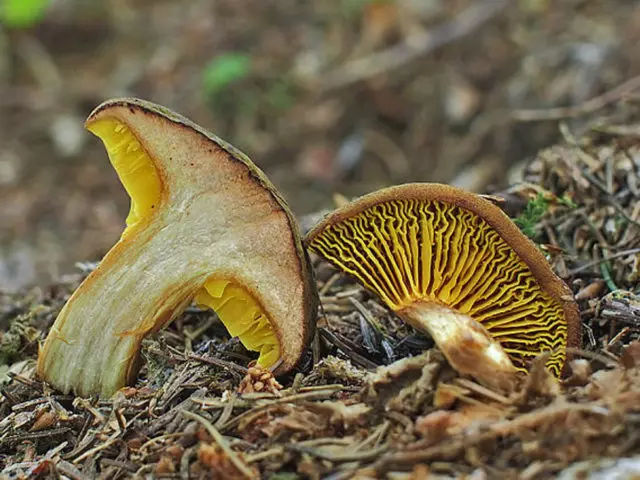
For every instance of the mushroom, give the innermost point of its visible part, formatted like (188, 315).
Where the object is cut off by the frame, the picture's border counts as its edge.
(452, 264)
(205, 224)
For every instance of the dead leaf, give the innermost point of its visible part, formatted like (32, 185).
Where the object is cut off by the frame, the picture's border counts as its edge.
(44, 421)
(447, 394)
(340, 413)
(631, 356)
(165, 466)
(433, 427)
(218, 464)
(580, 372)
(606, 384)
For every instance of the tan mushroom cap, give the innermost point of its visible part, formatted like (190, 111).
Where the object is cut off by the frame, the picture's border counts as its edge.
(452, 263)
(205, 224)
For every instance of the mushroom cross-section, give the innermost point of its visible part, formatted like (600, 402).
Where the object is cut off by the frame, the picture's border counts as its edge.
(452, 264)
(205, 224)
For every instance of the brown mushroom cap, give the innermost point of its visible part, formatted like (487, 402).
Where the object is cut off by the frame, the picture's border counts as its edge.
(446, 248)
(205, 224)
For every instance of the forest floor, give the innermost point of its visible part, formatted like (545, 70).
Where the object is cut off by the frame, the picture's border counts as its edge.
(534, 102)
(372, 397)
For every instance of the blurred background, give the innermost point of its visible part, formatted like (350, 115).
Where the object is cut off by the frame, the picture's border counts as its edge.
(338, 96)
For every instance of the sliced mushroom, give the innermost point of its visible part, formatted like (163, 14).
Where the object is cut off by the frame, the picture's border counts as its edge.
(452, 264)
(205, 224)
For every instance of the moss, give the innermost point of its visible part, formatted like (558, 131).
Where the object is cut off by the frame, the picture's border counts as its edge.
(18, 336)
(530, 217)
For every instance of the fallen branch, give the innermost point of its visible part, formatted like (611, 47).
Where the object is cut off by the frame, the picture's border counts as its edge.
(590, 106)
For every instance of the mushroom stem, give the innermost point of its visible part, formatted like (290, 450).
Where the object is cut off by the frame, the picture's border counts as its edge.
(465, 343)
(139, 288)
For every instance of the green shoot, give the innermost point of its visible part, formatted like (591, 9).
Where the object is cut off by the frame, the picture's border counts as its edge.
(567, 201)
(225, 70)
(530, 217)
(22, 13)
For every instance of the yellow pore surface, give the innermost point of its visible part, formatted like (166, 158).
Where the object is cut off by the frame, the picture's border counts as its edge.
(243, 318)
(134, 167)
(410, 250)
(238, 310)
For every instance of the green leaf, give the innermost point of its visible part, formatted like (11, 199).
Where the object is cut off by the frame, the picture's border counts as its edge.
(22, 13)
(225, 70)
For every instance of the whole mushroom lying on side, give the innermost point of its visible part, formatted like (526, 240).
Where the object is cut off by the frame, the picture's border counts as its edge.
(205, 224)
(452, 264)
